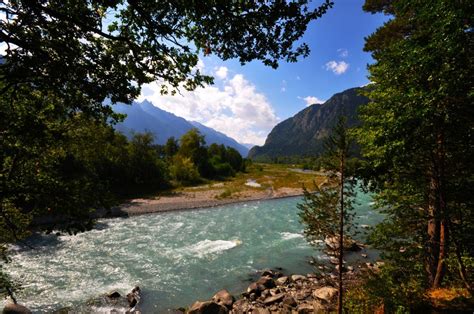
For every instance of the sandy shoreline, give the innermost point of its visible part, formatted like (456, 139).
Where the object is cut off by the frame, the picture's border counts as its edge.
(189, 199)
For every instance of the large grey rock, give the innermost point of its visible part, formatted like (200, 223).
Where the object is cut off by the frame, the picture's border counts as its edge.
(298, 277)
(224, 298)
(207, 307)
(325, 293)
(15, 309)
(349, 244)
(281, 281)
(274, 298)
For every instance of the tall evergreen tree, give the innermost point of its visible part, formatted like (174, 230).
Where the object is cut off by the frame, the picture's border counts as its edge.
(326, 213)
(418, 131)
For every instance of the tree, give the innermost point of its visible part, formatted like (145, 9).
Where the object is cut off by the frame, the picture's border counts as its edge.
(326, 212)
(87, 51)
(418, 132)
(171, 147)
(69, 57)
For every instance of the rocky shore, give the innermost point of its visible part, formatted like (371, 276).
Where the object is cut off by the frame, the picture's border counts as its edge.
(274, 292)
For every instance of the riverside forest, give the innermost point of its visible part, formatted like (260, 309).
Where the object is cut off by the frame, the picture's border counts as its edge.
(151, 160)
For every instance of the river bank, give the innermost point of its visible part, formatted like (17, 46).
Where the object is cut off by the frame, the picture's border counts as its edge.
(194, 199)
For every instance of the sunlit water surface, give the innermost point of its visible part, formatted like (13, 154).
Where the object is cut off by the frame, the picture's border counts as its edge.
(176, 257)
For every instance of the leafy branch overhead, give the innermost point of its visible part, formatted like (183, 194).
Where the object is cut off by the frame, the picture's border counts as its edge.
(108, 49)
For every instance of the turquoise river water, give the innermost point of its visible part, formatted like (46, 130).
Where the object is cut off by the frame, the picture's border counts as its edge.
(175, 257)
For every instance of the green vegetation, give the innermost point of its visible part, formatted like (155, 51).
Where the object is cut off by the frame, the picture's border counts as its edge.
(417, 139)
(66, 64)
(326, 212)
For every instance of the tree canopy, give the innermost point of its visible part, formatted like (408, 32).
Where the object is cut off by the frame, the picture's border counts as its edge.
(87, 51)
(417, 135)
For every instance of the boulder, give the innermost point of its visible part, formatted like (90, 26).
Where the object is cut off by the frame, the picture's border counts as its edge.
(274, 298)
(349, 244)
(305, 308)
(281, 281)
(266, 281)
(298, 277)
(114, 295)
(208, 307)
(12, 308)
(290, 301)
(133, 297)
(241, 306)
(224, 298)
(268, 272)
(325, 293)
(260, 310)
(255, 288)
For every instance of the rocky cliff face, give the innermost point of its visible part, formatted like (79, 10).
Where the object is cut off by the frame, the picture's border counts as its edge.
(304, 133)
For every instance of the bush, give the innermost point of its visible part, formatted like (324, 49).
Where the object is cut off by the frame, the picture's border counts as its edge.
(184, 171)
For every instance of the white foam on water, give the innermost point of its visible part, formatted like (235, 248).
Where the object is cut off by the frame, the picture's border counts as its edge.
(207, 247)
(290, 236)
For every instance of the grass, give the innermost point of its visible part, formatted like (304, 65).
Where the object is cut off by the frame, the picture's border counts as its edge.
(275, 176)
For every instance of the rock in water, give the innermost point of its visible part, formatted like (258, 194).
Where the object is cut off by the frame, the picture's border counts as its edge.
(208, 307)
(224, 298)
(12, 308)
(134, 297)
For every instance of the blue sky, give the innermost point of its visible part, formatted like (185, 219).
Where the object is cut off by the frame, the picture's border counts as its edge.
(247, 101)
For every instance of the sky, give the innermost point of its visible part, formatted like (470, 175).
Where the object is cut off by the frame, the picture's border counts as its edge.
(246, 102)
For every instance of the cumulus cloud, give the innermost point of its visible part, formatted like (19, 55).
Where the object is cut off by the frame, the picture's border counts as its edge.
(337, 67)
(221, 72)
(343, 53)
(311, 100)
(236, 109)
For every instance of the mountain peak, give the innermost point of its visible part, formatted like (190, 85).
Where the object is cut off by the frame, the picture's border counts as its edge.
(304, 133)
(144, 116)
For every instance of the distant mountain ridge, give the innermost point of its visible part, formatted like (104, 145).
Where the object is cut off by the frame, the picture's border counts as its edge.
(144, 116)
(304, 133)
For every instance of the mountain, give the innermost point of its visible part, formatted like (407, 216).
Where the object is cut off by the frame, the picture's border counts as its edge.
(144, 116)
(304, 133)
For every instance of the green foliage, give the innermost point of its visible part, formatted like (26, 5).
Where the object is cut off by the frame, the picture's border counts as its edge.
(184, 170)
(417, 138)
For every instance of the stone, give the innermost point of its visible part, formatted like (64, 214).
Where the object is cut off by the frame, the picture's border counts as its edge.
(12, 308)
(305, 308)
(298, 277)
(364, 255)
(268, 272)
(114, 295)
(325, 293)
(281, 281)
(260, 310)
(241, 306)
(311, 276)
(266, 281)
(349, 244)
(302, 294)
(223, 297)
(255, 288)
(133, 297)
(290, 301)
(207, 307)
(274, 299)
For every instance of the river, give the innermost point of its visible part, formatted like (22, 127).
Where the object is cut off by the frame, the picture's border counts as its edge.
(175, 257)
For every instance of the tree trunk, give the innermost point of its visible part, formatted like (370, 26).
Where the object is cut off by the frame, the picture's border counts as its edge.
(438, 231)
(341, 235)
(433, 231)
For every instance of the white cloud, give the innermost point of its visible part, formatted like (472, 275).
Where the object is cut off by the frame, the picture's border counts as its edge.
(337, 67)
(237, 109)
(311, 100)
(343, 52)
(298, 77)
(283, 86)
(221, 72)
